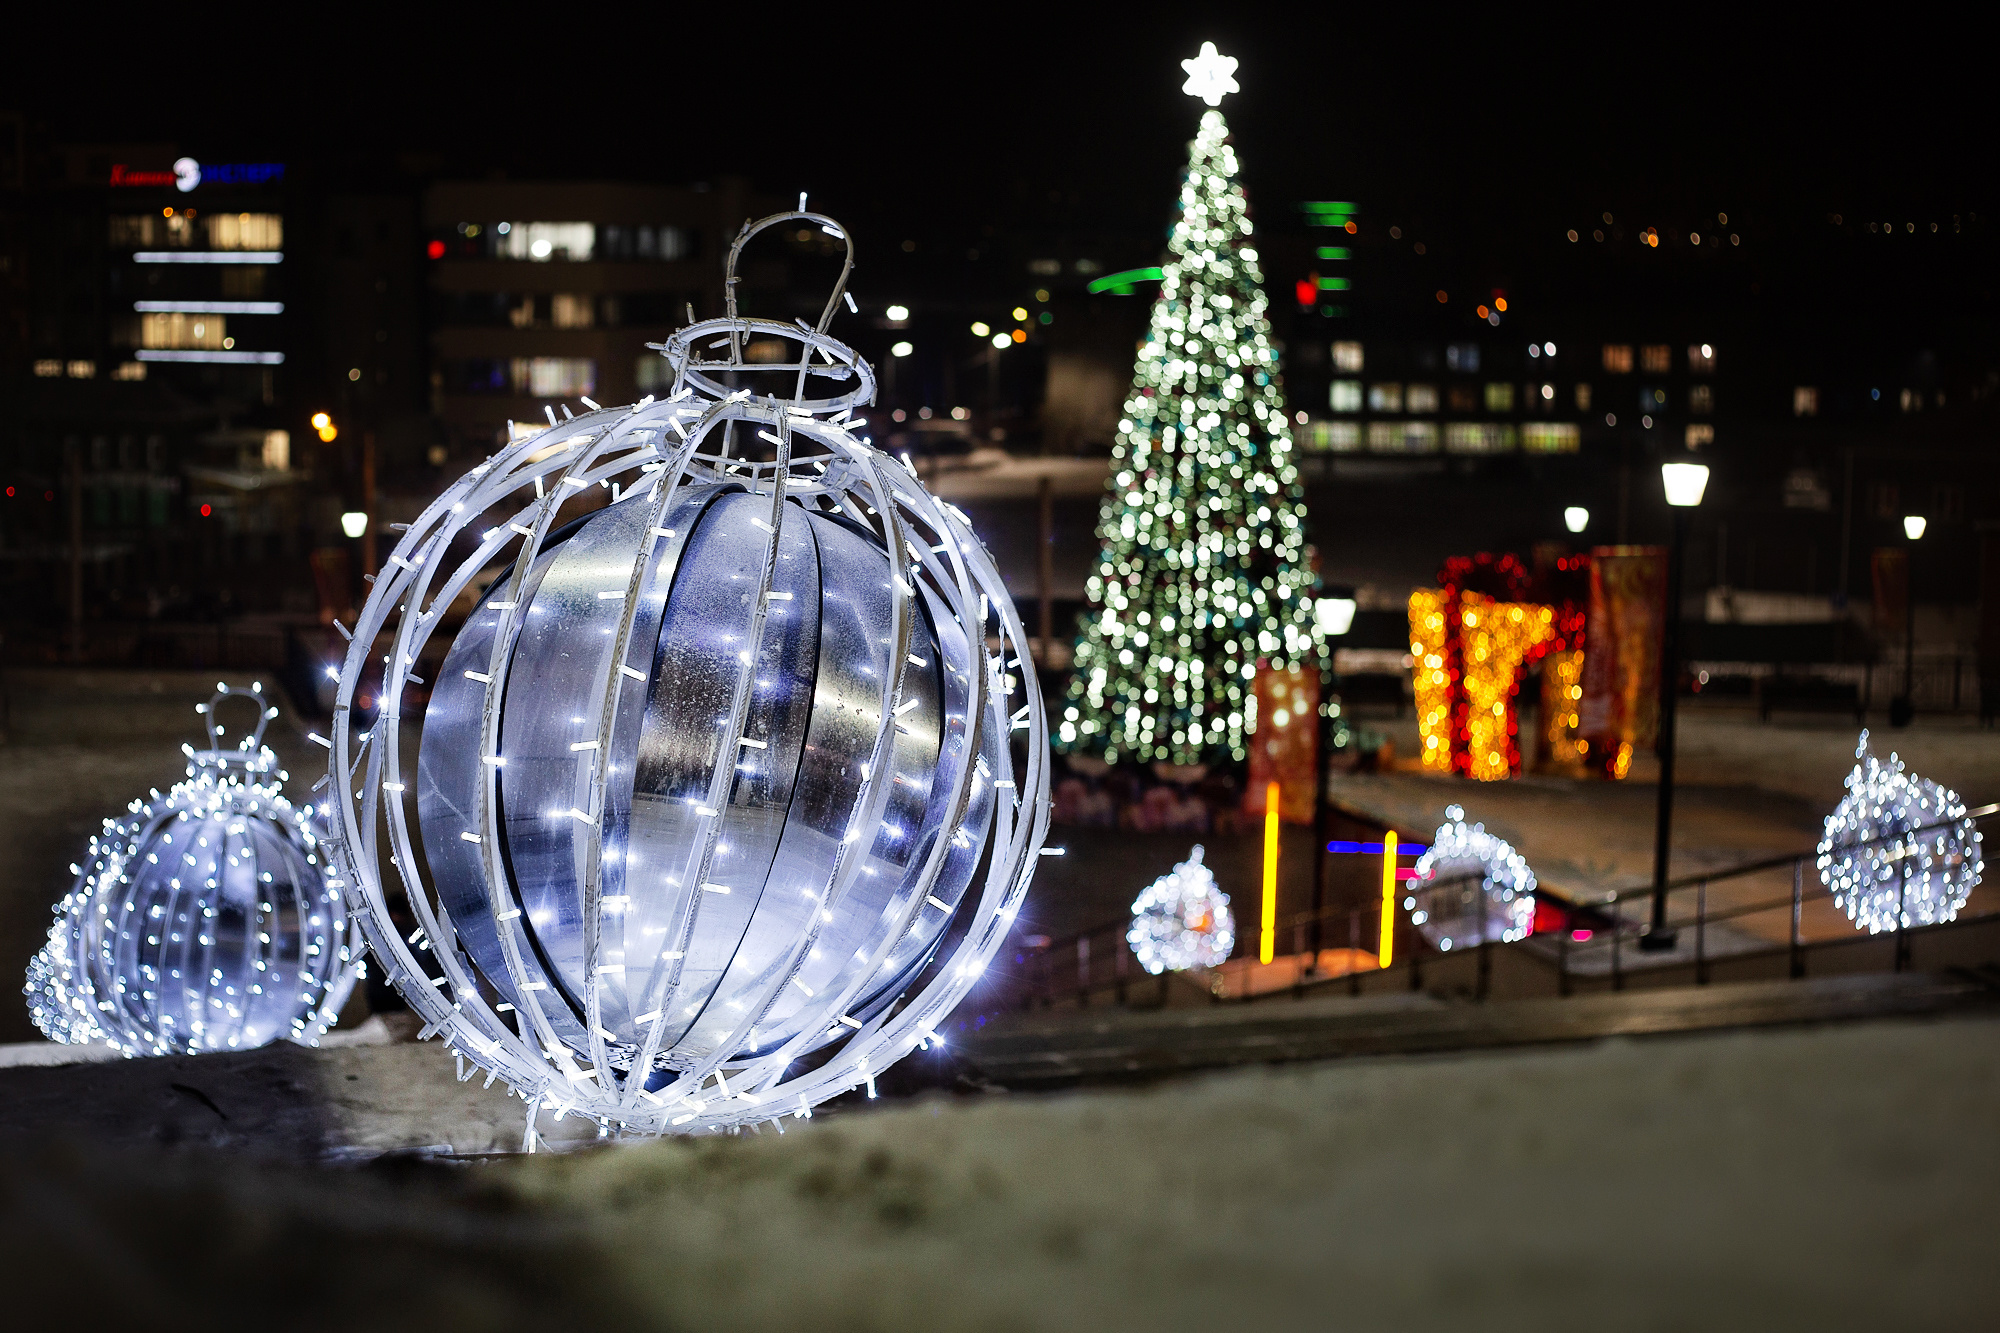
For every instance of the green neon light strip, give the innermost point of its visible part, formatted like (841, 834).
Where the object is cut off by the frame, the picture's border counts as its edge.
(1320, 206)
(1335, 252)
(1125, 279)
(1333, 284)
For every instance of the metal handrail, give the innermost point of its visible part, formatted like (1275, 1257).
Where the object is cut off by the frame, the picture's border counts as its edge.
(1080, 943)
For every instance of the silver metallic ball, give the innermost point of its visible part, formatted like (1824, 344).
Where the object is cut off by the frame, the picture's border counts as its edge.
(202, 921)
(732, 780)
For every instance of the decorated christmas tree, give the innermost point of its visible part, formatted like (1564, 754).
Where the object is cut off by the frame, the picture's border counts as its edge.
(1201, 579)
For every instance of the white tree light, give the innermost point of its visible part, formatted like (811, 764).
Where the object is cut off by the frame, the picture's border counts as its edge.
(731, 785)
(203, 921)
(1898, 849)
(1182, 920)
(1469, 886)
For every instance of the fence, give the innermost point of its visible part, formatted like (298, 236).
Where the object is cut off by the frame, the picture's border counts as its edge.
(1595, 947)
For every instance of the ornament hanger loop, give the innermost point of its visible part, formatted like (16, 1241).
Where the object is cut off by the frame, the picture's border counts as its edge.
(250, 752)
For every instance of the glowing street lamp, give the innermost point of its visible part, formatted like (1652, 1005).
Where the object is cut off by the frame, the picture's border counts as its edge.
(1334, 615)
(354, 523)
(1576, 518)
(1903, 708)
(1684, 483)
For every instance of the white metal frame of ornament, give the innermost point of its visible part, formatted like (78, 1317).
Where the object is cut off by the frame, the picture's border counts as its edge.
(810, 453)
(74, 984)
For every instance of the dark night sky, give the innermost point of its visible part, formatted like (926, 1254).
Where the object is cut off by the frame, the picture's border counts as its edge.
(952, 119)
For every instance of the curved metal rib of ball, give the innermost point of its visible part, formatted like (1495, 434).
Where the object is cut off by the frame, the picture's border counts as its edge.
(543, 443)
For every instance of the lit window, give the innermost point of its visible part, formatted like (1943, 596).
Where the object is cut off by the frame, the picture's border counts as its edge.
(81, 370)
(570, 311)
(1701, 358)
(1701, 399)
(1421, 398)
(129, 370)
(1347, 357)
(1551, 437)
(1333, 437)
(653, 375)
(245, 231)
(1385, 398)
(1618, 358)
(48, 369)
(1656, 358)
(1700, 434)
(182, 331)
(766, 351)
(1463, 357)
(1805, 401)
(1913, 400)
(1346, 396)
(544, 241)
(1583, 397)
(1463, 397)
(1480, 437)
(1499, 397)
(277, 451)
(553, 376)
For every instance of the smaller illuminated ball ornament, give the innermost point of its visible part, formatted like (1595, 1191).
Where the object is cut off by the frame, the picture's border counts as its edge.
(1182, 920)
(1898, 848)
(1469, 886)
(203, 920)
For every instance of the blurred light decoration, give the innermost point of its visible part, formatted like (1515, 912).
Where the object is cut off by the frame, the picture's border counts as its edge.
(1472, 640)
(1202, 577)
(204, 919)
(1182, 920)
(719, 809)
(1898, 849)
(1470, 885)
(901, 349)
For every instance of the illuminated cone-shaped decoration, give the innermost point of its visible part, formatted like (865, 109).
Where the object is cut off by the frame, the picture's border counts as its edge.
(1182, 920)
(1898, 849)
(203, 919)
(1470, 886)
(732, 782)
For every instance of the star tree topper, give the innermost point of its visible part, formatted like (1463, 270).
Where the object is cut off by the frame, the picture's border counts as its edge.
(1210, 75)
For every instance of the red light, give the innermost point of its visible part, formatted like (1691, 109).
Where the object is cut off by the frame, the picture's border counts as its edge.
(1308, 290)
(48, 495)
(10, 492)
(435, 249)
(204, 511)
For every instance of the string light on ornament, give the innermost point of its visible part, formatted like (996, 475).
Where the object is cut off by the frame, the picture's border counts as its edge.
(1201, 577)
(1470, 885)
(1182, 920)
(733, 782)
(1898, 849)
(202, 921)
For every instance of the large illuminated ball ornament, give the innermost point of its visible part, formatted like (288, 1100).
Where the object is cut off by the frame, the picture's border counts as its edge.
(1898, 849)
(1182, 920)
(731, 782)
(203, 920)
(1470, 886)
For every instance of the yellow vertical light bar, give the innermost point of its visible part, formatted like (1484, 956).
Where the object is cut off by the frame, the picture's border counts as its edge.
(1385, 950)
(1267, 939)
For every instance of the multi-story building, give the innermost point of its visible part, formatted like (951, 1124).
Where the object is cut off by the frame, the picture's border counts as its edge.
(545, 291)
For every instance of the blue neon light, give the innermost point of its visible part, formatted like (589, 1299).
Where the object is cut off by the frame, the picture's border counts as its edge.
(1375, 848)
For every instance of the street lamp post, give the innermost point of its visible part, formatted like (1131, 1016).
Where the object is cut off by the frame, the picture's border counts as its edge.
(1334, 614)
(1903, 710)
(1684, 484)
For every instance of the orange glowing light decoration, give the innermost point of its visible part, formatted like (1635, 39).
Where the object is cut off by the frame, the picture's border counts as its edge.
(1385, 948)
(323, 425)
(1267, 937)
(1500, 304)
